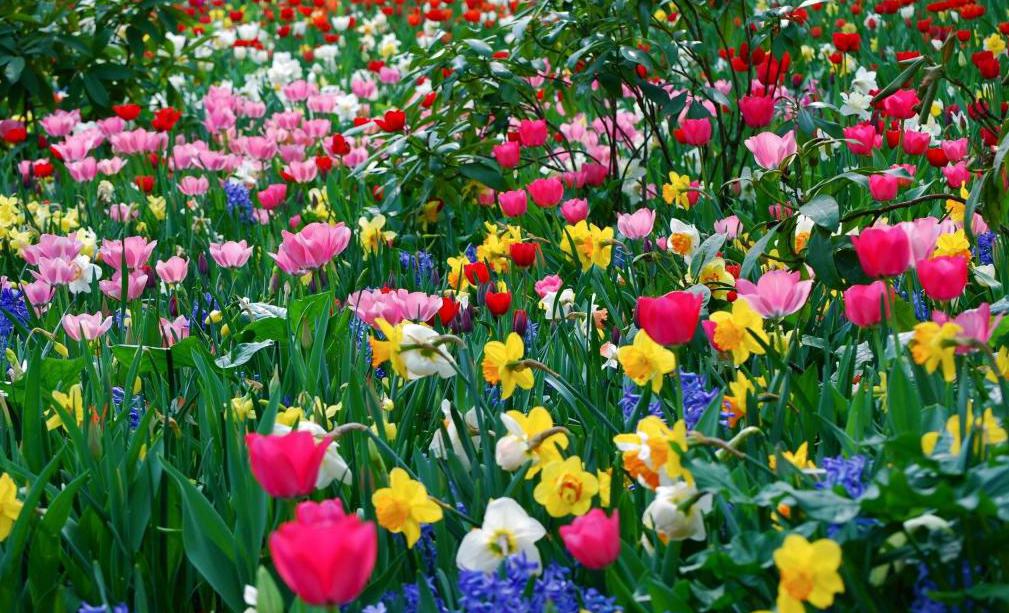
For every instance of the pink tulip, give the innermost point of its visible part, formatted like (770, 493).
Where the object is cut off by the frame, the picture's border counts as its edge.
(955, 150)
(943, 278)
(273, 196)
(977, 324)
(757, 111)
(883, 187)
(52, 246)
(915, 143)
(670, 319)
(325, 556)
(922, 234)
(862, 138)
(174, 330)
(729, 226)
(956, 175)
(532, 132)
(286, 465)
(83, 170)
(133, 250)
(593, 539)
(770, 150)
(302, 172)
(194, 186)
(575, 210)
(883, 251)
(86, 326)
(136, 282)
(173, 271)
(546, 192)
(636, 225)
(901, 103)
(507, 154)
(696, 132)
(60, 122)
(56, 271)
(231, 254)
(548, 285)
(314, 247)
(39, 294)
(864, 305)
(394, 306)
(513, 203)
(776, 294)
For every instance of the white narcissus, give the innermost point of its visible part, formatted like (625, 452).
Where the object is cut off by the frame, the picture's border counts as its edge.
(84, 273)
(671, 522)
(438, 447)
(424, 362)
(507, 531)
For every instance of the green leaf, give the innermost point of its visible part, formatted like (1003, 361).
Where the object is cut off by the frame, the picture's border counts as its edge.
(484, 173)
(823, 210)
(479, 47)
(241, 354)
(904, 405)
(15, 66)
(756, 251)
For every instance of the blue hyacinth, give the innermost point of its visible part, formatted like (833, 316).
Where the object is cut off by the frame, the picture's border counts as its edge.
(846, 472)
(696, 397)
(628, 403)
(985, 243)
(238, 201)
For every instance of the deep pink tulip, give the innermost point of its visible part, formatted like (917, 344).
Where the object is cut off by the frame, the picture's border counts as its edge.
(915, 143)
(575, 210)
(943, 278)
(273, 196)
(670, 319)
(507, 154)
(901, 103)
(532, 132)
(955, 150)
(546, 192)
(286, 465)
(593, 539)
(757, 111)
(776, 294)
(770, 150)
(957, 174)
(513, 203)
(696, 132)
(883, 187)
(864, 304)
(862, 138)
(325, 556)
(883, 251)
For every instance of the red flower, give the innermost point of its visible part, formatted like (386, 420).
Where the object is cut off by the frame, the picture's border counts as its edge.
(324, 163)
(523, 254)
(144, 183)
(339, 145)
(987, 64)
(127, 112)
(498, 303)
(286, 465)
(847, 42)
(393, 121)
(476, 273)
(449, 309)
(165, 119)
(15, 135)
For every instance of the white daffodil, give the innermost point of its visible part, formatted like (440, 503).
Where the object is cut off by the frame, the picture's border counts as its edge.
(424, 361)
(507, 531)
(438, 447)
(672, 522)
(683, 239)
(557, 305)
(84, 273)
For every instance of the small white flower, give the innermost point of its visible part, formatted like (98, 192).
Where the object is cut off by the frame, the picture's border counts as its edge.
(671, 522)
(507, 531)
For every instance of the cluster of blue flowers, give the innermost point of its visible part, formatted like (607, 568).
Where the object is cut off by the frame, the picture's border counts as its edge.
(201, 310)
(136, 405)
(509, 590)
(12, 311)
(696, 397)
(421, 263)
(985, 242)
(846, 472)
(238, 201)
(628, 403)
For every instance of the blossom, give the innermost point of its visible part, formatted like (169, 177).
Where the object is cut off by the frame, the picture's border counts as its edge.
(988, 431)
(312, 248)
(883, 251)
(738, 332)
(934, 345)
(683, 239)
(943, 278)
(677, 513)
(373, 235)
(286, 466)
(770, 150)
(651, 453)
(592, 245)
(593, 539)
(507, 531)
(776, 294)
(677, 190)
(565, 488)
(636, 225)
(86, 326)
(645, 360)
(808, 573)
(404, 506)
(531, 437)
(502, 363)
(865, 305)
(799, 459)
(10, 506)
(231, 254)
(670, 319)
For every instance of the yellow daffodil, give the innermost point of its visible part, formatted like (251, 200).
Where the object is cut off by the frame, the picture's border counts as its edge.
(651, 453)
(592, 245)
(799, 459)
(372, 236)
(952, 243)
(71, 402)
(934, 345)
(645, 360)
(496, 247)
(677, 191)
(605, 478)
(717, 278)
(502, 363)
(808, 573)
(457, 279)
(735, 400)
(566, 488)
(404, 506)
(389, 350)
(989, 432)
(737, 332)
(10, 506)
(242, 408)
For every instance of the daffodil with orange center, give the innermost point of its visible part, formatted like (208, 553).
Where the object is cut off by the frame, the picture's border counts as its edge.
(502, 363)
(566, 488)
(651, 453)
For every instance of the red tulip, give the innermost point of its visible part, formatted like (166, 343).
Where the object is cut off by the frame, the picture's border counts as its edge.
(670, 319)
(944, 277)
(449, 309)
(882, 251)
(477, 273)
(287, 465)
(325, 556)
(126, 112)
(498, 303)
(593, 539)
(523, 254)
(392, 121)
